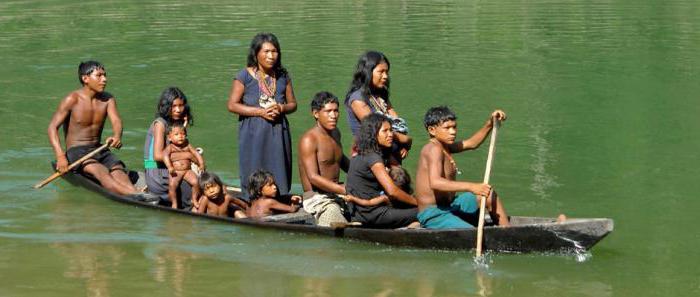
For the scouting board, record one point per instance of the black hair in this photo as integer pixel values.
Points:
(87, 67)
(437, 115)
(367, 137)
(255, 46)
(321, 99)
(207, 178)
(362, 78)
(177, 125)
(257, 181)
(165, 104)
(401, 178)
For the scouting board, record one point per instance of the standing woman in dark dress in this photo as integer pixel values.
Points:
(368, 177)
(262, 96)
(172, 108)
(369, 93)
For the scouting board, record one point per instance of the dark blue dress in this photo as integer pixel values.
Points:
(263, 144)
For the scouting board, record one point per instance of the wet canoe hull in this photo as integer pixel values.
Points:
(528, 234)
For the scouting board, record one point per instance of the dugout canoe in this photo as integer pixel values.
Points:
(527, 234)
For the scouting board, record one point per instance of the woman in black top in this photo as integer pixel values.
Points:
(368, 178)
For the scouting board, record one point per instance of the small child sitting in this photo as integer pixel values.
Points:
(216, 201)
(178, 156)
(265, 198)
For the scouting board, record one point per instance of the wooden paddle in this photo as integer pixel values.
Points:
(71, 166)
(487, 175)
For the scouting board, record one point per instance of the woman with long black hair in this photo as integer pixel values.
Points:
(369, 93)
(368, 178)
(262, 96)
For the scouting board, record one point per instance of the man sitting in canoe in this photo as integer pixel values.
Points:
(82, 114)
(320, 160)
(436, 184)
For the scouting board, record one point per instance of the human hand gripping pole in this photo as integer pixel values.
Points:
(487, 175)
(57, 174)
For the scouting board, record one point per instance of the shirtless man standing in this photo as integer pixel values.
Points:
(82, 114)
(436, 183)
(320, 160)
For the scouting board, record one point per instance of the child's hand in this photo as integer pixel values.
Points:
(296, 199)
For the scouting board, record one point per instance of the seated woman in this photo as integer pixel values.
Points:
(265, 200)
(368, 178)
(172, 108)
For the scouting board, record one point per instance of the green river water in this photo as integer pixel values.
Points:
(602, 98)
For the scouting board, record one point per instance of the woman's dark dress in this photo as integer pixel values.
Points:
(263, 144)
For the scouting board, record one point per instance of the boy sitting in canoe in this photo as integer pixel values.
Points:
(439, 206)
(178, 156)
(216, 201)
(264, 197)
(82, 114)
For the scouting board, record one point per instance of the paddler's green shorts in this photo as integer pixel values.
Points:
(435, 217)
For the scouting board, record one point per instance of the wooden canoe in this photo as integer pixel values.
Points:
(527, 234)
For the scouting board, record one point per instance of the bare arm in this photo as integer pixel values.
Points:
(435, 161)
(166, 159)
(116, 122)
(197, 156)
(203, 204)
(236, 106)
(238, 202)
(58, 118)
(158, 141)
(390, 188)
(309, 161)
(291, 105)
(478, 138)
(276, 205)
(379, 200)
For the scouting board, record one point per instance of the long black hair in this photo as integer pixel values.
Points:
(165, 103)
(367, 138)
(255, 46)
(362, 78)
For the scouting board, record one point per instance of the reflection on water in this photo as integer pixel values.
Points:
(600, 97)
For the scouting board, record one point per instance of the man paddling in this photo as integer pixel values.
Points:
(439, 206)
(83, 113)
(320, 160)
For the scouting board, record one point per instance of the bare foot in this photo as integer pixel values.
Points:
(414, 225)
(561, 218)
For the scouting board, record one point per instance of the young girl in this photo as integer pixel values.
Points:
(216, 201)
(264, 196)
(369, 93)
(172, 108)
(178, 157)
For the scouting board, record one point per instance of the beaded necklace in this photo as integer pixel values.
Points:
(448, 155)
(379, 106)
(267, 91)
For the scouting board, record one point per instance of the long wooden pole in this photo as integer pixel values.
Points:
(71, 166)
(487, 175)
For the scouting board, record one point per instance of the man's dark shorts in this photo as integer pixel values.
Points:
(104, 157)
